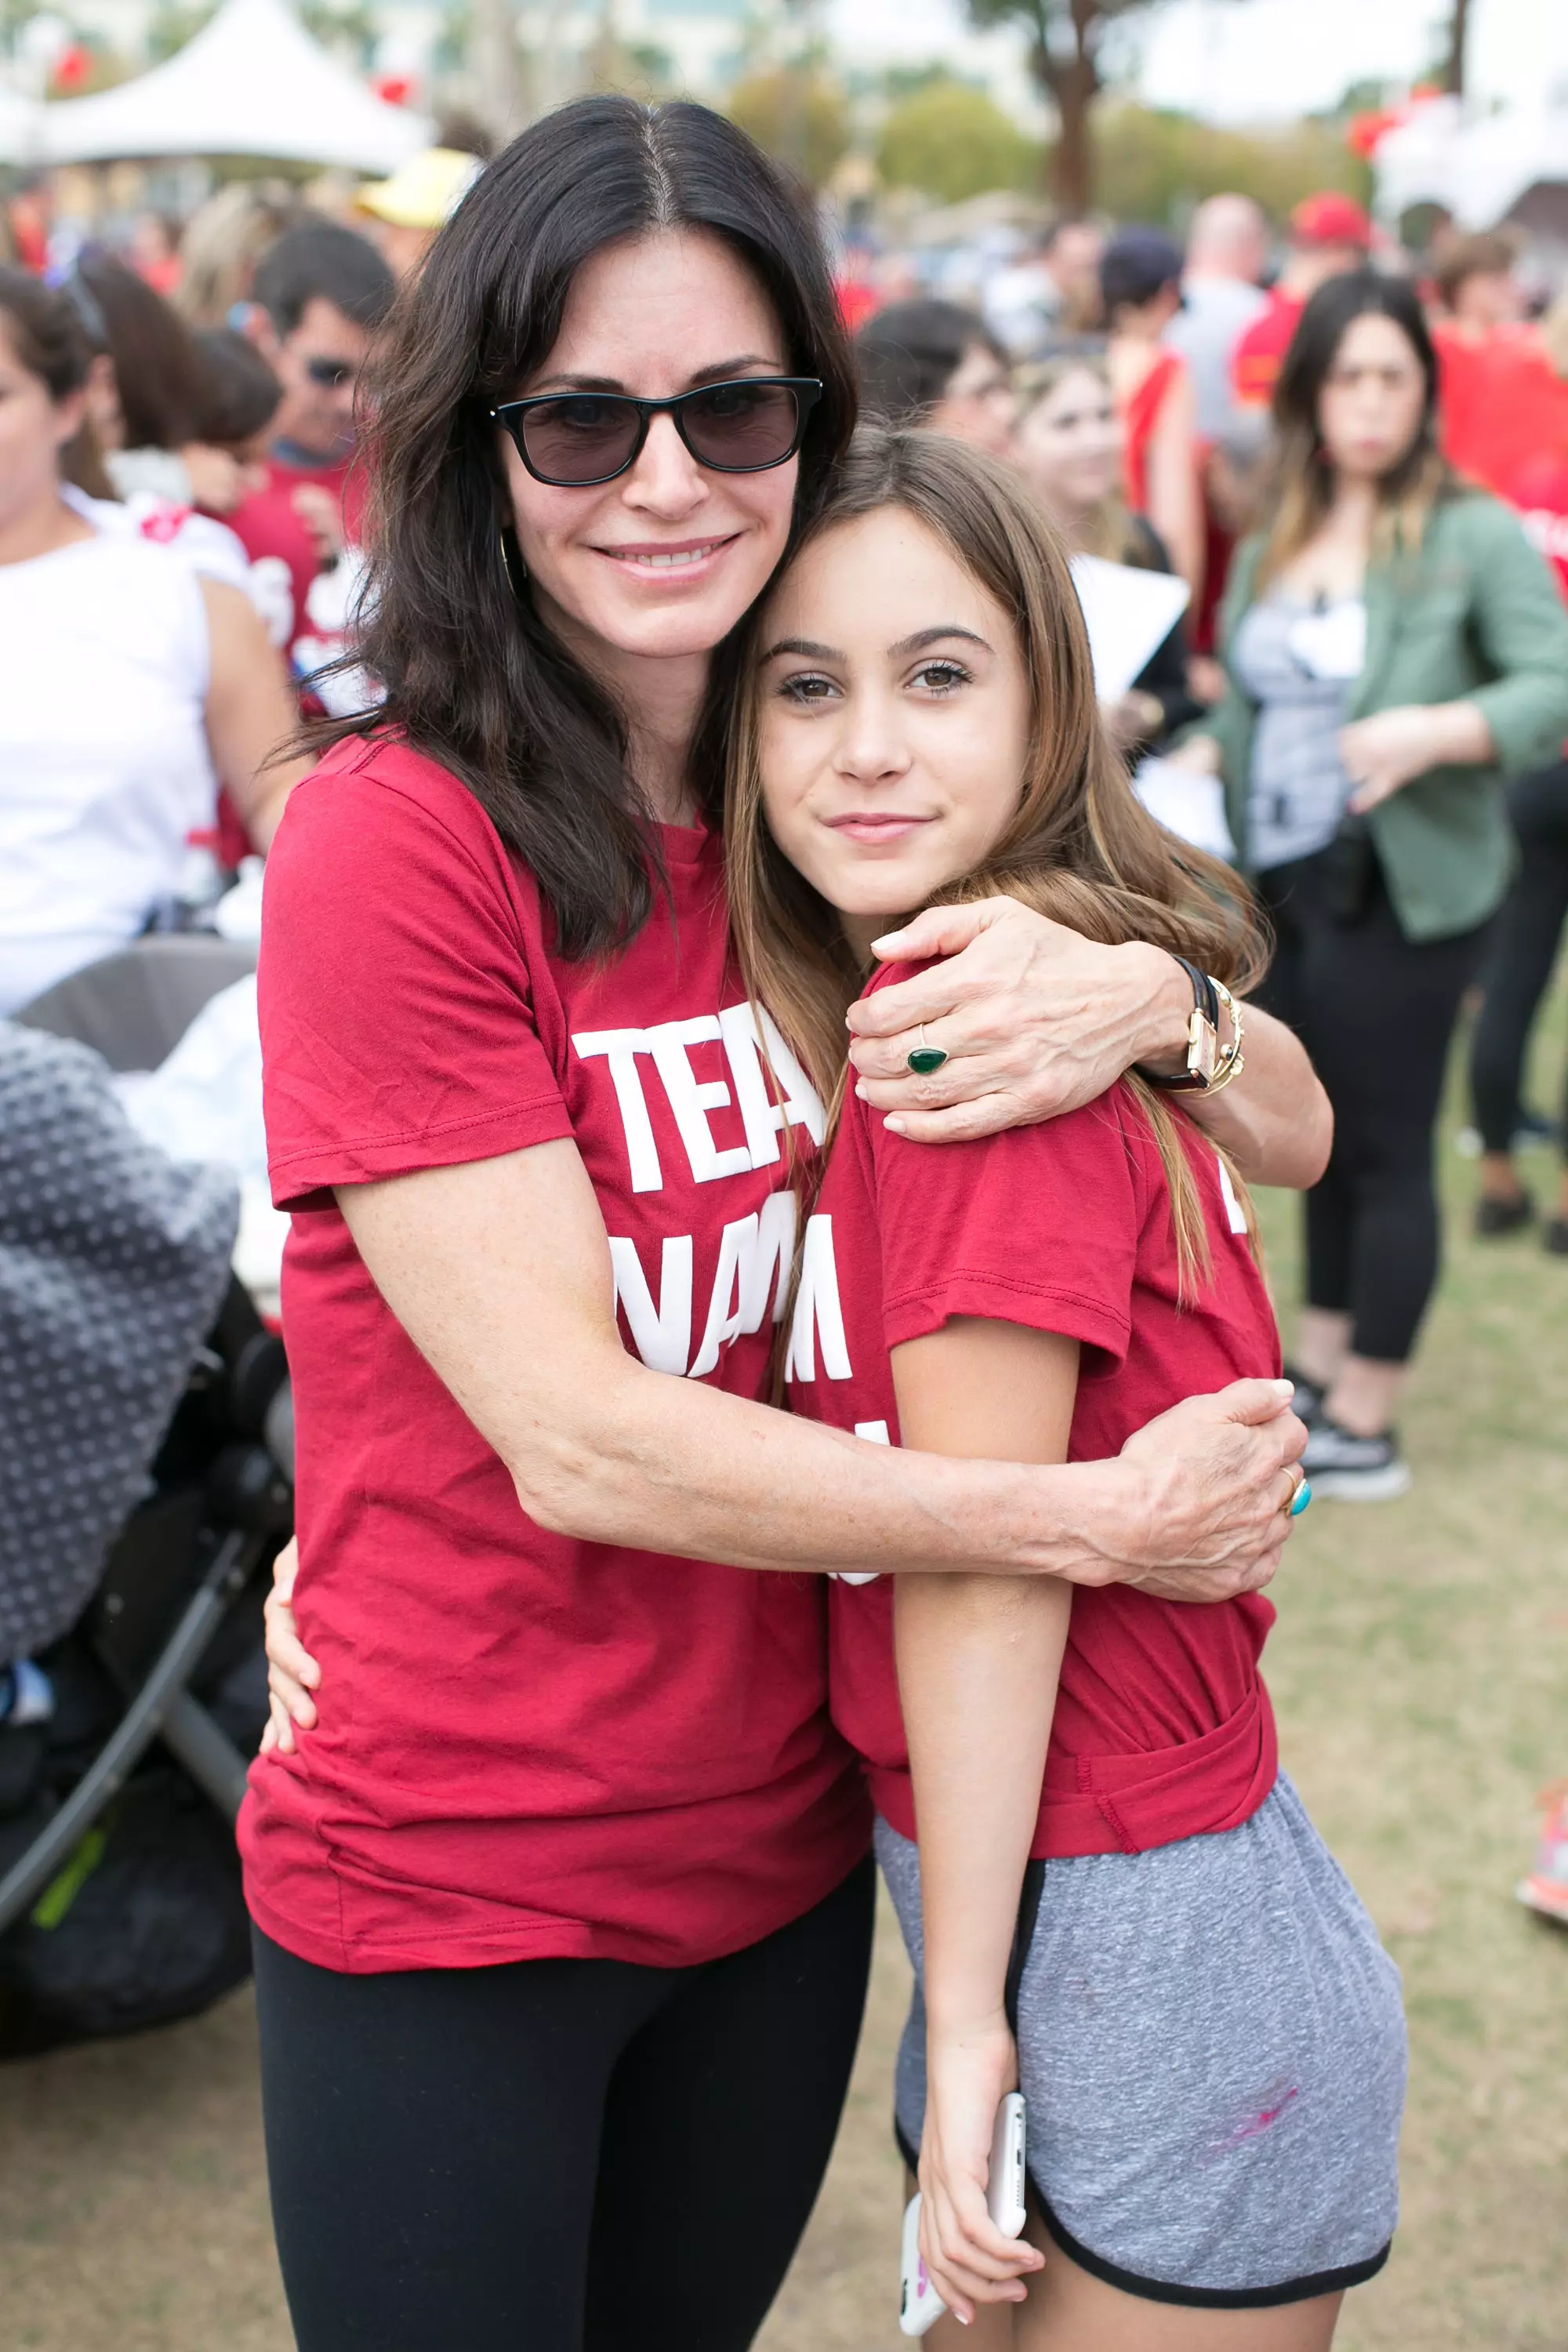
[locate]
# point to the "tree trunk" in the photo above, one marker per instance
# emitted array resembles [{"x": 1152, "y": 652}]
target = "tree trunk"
[
  {"x": 1074, "y": 83},
  {"x": 1458, "y": 42},
  {"x": 1074, "y": 87}
]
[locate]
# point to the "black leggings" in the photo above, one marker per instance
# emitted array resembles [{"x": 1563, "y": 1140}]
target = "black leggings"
[
  {"x": 555, "y": 2156},
  {"x": 1525, "y": 949},
  {"x": 1376, "y": 1012}
]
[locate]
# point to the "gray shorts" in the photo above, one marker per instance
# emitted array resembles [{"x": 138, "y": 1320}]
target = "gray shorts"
[{"x": 1211, "y": 2041}]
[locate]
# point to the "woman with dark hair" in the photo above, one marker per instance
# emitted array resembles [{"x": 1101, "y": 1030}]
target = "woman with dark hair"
[
  {"x": 561, "y": 1904},
  {"x": 939, "y": 365},
  {"x": 132, "y": 685},
  {"x": 1141, "y": 285},
  {"x": 1394, "y": 647}
]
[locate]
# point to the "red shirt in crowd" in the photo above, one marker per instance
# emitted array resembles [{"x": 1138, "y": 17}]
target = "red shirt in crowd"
[
  {"x": 1163, "y": 1726},
  {"x": 528, "y": 1746},
  {"x": 1260, "y": 350},
  {"x": 272, "y": 534}
]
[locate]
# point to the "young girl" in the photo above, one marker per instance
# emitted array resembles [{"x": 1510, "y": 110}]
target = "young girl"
[{"x": 1207, "y": 2032}]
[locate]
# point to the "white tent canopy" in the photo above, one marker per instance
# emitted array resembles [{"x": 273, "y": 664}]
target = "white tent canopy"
[
  {"x": 18, "y": 127},
  {"x": 1479, "y": 171},
  {"x": 252, "y": 82}
]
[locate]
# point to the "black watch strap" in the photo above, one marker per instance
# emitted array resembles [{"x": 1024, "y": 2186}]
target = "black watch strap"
[{"x": 1205, "y": 1007}]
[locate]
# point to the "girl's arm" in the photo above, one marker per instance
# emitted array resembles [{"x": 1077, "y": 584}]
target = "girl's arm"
[
  {"x": 978, "y": 1660},
  {"x": 250, "y": 711}
]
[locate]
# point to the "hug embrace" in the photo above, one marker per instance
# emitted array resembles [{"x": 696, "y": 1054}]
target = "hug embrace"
[{"x": 719, "y": 740}]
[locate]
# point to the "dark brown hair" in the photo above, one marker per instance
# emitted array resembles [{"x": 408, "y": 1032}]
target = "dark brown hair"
[
  {"x": 158, "y": 372},
  {"x": 47, "y": 337},
  {"x": 471, "y": 674},
  {"x": 1302, "y": 485},
  {"x": 1082, "y": 848}
]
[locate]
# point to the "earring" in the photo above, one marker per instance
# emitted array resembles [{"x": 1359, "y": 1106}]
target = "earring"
[{"x": 505, "y": 535}]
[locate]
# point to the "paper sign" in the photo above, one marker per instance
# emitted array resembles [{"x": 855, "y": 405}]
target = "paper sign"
[
  {"x": 1129, "y": 614},
  {"x": 1187, "y": 804}
]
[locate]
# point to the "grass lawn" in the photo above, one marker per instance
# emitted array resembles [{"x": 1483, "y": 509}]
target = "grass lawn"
[{"x": 1420, "y": 1670}]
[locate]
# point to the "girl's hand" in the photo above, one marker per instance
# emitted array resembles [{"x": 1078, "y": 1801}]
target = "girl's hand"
[
  {"x": 969, "y": 2072},
  {"x": 1391, "y": 748},
  {"x": 291, "y": 1673}
]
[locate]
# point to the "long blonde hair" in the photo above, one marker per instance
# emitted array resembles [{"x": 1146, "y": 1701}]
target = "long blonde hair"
[
  {"x": 1082, "y": 849},
  {"x": 1111, "y": 532}
]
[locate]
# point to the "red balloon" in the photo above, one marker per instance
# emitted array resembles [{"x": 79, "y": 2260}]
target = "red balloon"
[{"x": 72, "y": 67}]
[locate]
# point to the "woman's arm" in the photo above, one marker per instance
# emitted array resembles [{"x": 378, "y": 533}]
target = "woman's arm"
[
  {"x": 978, "y": 1661},
  {"x": 1175, "y": 498},
  {"x": 499, "y": 1272},
  {"x": 1038, "y": 1021},
  {"x": 250, "y": 711}
]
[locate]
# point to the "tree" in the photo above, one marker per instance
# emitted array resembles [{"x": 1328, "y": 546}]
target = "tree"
[
  {"x": 795, "y": 113},
  {"x": 1458, "y": 42},
  {"x": 1066, "y": 41},
  {"x": 951, "y": 141}
]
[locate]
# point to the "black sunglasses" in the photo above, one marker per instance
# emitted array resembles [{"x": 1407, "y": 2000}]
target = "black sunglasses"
[
  {"x": 573, "y": 440},
  {"x": 331, "y": 373}
]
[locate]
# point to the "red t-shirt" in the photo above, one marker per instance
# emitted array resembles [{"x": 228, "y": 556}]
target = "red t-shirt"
[
  {"x": 528, "y": 1746},
  {"x": 273, "y": 536},
  {"x": 1260, "y": 350},
  {"x": 1163, "y": 1726}
]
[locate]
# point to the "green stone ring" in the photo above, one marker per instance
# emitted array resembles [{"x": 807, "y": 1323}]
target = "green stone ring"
[{"x": 926, "y": 1058}]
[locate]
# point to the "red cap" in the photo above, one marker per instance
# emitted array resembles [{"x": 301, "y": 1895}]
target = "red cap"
[{"x": 1330, "y": 219}]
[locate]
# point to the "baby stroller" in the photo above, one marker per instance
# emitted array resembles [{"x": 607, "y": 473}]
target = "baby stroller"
[{"x": 145, "y": 1487}]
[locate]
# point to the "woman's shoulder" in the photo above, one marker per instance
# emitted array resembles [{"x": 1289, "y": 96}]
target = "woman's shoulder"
[
  {"x": 1470, "y": 519},
  {"x": 376, "y": 799}
]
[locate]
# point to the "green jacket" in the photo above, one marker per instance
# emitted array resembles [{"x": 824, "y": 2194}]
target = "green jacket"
[{"x": 1475, "y": 616}]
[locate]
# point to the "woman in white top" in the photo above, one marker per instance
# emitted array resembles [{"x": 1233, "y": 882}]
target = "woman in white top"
[{"x": 129, "y": 687}]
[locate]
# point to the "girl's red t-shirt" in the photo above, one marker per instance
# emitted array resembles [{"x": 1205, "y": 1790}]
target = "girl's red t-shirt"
[
  {"x": 528, "y": 1746},
  {"x": 1163, "y": 1726}
]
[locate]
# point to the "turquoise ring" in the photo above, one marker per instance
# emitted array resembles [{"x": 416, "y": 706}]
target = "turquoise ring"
[
  {"x": 1300, "y": 1499},
  {"x": 924, "y": 1058}
]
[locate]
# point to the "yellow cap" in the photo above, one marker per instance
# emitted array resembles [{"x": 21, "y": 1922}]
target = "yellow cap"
[{"x": 423, "y": 193}]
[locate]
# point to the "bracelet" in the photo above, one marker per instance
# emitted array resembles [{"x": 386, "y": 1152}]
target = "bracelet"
[
  {"x": 1209, "y": 1066},
  {"x": 1232, "y": 1062},
  {"x": 1203, "y": 1037}
]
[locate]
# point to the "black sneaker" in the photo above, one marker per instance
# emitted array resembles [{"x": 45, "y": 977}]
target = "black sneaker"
[
  {"x": 1307, "y": 1396},
  {"x": 1494, "y": 1217},
  {"x": 1554, "y": 1236},
  {"x": 1355, "y": 1469}
]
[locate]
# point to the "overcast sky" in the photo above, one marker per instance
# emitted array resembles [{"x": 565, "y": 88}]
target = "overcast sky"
[{"x": 1243, "y": 60}]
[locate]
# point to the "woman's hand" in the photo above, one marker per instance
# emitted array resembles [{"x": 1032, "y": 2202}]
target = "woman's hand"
[
  {"x": 1391, "y": 748},
  {"x": 1200, "y": 754},
  {"x": 1134, "y": 717},
  {"x": 1208, "y": 1510},
  {"x": 217, "y": 477},
  {"x": 969, "y": 2072},
  {"x": 291, "y": 1673},
  {"x": 1035, "y": 1020}
]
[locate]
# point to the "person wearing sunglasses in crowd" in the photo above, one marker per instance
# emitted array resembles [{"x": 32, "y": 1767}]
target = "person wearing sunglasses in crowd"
[
  {"x": 320, "y": 295},
  {"x": 562, "y": 1899}
]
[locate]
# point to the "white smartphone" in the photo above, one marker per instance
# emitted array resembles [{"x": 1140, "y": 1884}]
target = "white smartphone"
[{"x": 920, "y": 2305}]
